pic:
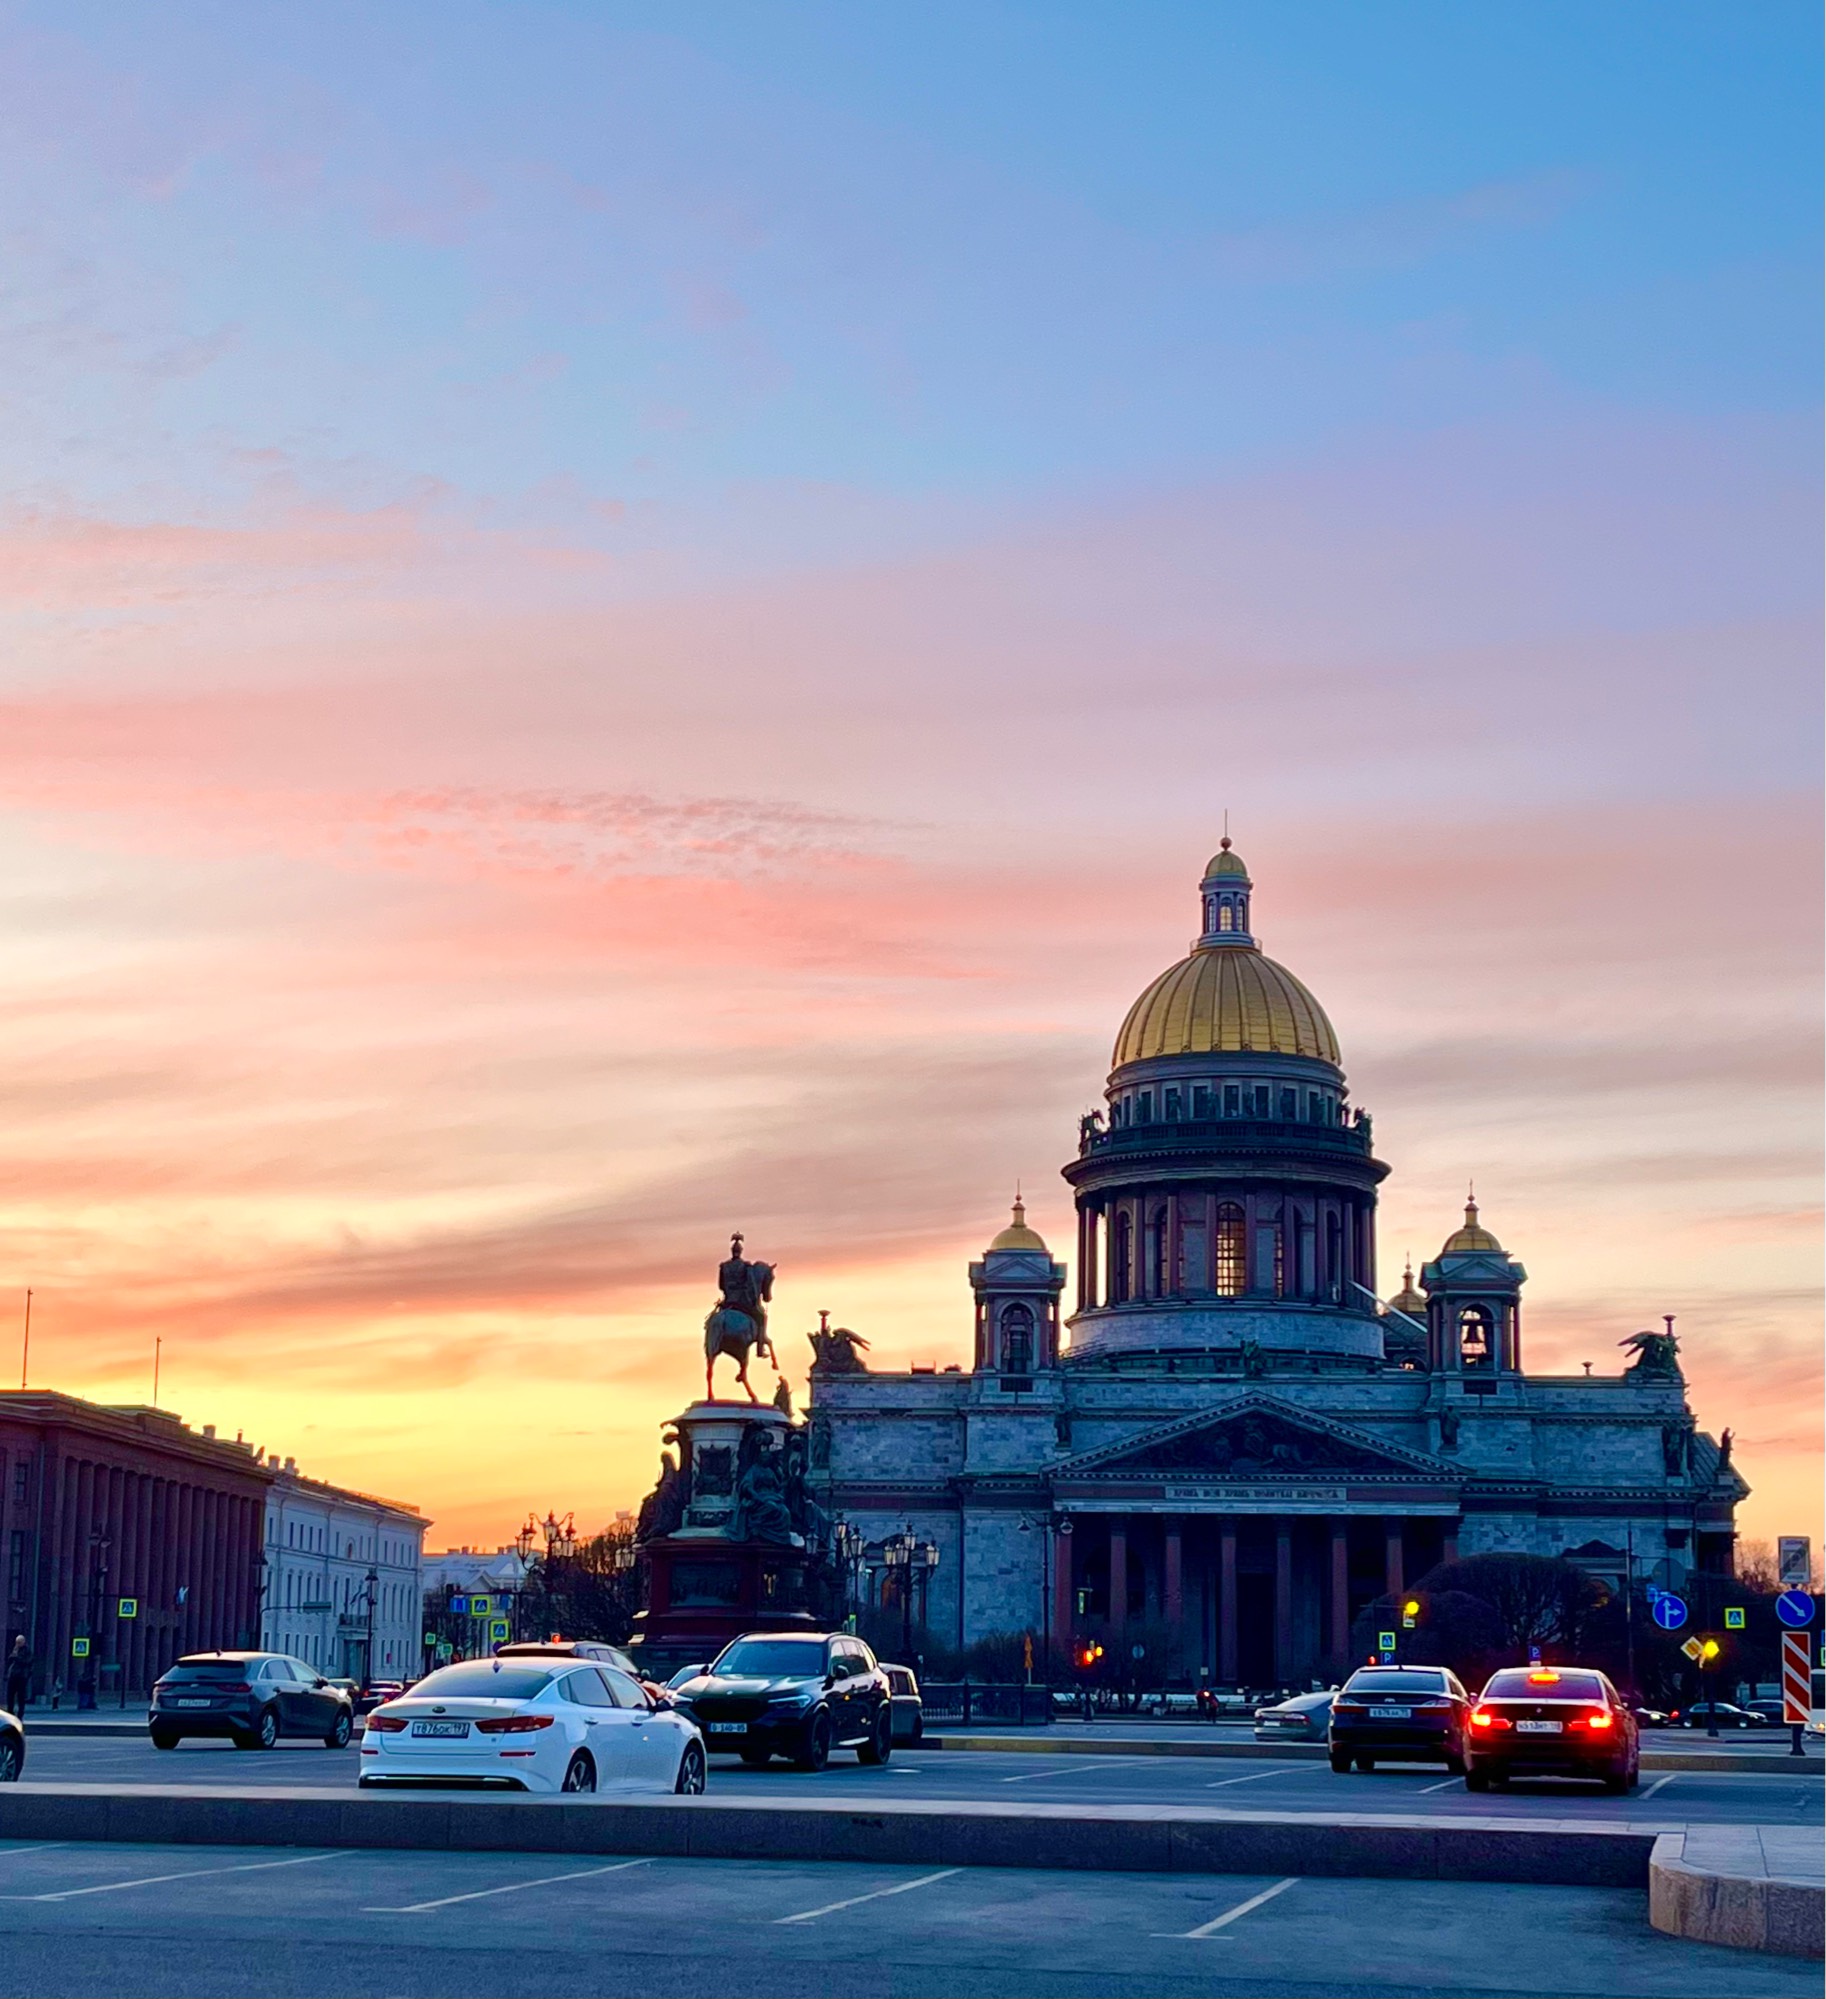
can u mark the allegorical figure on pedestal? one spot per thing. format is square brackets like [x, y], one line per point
[738, 1325]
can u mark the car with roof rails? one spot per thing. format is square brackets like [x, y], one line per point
[798, 1694]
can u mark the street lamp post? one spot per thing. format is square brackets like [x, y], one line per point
[907, 1556]
[372, 1579]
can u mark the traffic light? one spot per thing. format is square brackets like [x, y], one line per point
[1708, 1650]
[1410, 1613]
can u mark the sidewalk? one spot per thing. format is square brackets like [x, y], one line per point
[1751, 1887]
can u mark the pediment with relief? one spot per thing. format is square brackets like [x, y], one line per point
[1255, 1438]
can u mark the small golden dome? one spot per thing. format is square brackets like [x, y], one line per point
[1407, 1299]
[1226, 1000]
[1224, 862]
[1017, 1235]
[1473, 1236]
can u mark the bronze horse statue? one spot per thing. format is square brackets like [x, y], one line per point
[738, 1325]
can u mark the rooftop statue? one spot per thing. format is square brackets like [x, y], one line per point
[834, 1348]
[738, 1326]
[1657, 1355]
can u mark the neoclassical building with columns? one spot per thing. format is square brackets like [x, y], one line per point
[1213, 1424]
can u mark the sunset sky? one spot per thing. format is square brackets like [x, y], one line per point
[629, 621]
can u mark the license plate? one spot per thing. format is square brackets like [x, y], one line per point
[202, 1703]
[1538, 1728]
[440, 1728]
[1391, 1714]
[729, 1728]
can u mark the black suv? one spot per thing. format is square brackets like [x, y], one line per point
[251, 1697]
[795, 1694]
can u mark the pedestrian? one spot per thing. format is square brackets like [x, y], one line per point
[19, 1664]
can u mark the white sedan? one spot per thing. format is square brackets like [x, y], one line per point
[531, 1725]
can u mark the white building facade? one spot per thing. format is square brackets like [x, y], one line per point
[343, 1579]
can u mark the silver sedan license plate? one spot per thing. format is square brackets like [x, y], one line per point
[445, 1728]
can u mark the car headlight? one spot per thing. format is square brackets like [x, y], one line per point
[788, 1703]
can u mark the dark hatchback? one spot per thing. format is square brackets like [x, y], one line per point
[1551, 1721]
[794, 1694]
[1399, 1714]
[253, 1698]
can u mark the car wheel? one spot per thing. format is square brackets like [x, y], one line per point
[580, 1774]
[263, 1735]
[1477, 1780]
[12, 1760]
[815, 1744]
[338, 1737]
[757, 1759]
[164, 1738]
[690, 1782]
[880, 1745]
[1340, 1762]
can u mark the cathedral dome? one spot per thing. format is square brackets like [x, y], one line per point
[1222, 1000]
[1472, 1237]
[1017, 1235]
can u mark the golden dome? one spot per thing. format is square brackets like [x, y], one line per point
[1407, 1299]
[1224, 862]
[1225, 1000]
[1017, 1235]
[1473, 1236]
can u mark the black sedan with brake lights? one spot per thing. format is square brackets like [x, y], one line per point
[796, 1694]
[1551, 1721]
[1399, 1714]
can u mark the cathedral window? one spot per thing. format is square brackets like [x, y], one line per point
[1232, 1251]
[1279, 1253]
[1226, 918]
[1474, 1337]
[1017, 1339]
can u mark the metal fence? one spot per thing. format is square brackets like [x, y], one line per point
[967, 1701]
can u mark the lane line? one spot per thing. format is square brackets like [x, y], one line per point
[190, 1874]
[1254, 1778]
[1105, 1762]
[508, 1888]
[1450, 1784]
[43, 1846]
[1657, 1785]
[854, 1901]
[1230, 1915]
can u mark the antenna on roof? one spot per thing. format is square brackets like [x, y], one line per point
[25, 1352]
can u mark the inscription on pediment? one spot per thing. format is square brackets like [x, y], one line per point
[1250, 1446]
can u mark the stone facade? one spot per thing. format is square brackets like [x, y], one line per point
[1232, 1441]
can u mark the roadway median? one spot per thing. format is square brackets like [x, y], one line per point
[1150, 1839]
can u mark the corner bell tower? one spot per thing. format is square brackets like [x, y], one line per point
[1474, 1304]
[1018, 1287]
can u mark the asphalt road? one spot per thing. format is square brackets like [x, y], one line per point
[1687, 1798]
[126, 1922]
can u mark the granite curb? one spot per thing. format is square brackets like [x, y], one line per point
[1152, 1839]
[1721, 1885]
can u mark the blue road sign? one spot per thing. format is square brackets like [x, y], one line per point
[1795, 1608]
[459, 1606]
[1670, 1613]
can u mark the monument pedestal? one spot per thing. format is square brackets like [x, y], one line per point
[725, 1558]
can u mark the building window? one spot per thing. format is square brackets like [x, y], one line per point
[1172, 1112]
[1144, 1107]
[1119, 1261]
[1233, 1100]
[1475, 1341]
[1017, 1339]
[1261, 1100]
[1201, 1100]
[1280, 1263]
[1290, 1105]
[1226, 918]
[1232, 1251]
[1315, 1107]
[1159, 1241]
[1334, 1259]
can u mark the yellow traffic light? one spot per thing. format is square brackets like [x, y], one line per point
[1412, 1607]
[1709, 1649]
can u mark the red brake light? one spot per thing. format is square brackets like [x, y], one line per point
[1601, 1718]
[515, 1724]
[1481, 1717]
[1543, 1679]
[388, 1724]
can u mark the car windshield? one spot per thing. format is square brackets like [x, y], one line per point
[1544, 1685]
[772, 1659]
[1306, 1702]
[483, 1679]
[212, 1669]
[1396, 1682]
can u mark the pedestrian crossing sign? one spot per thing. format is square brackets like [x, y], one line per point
[129, 1606]
[1734, 1619]
[481, 1606]
[79, 1648]
[499, 1631]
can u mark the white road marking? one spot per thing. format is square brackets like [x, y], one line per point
[1254, 1778]
[899, 1888]
[1450, 1784]
[508, 1888]
[1658, 1784]
[1230, 1915]
[1107, 1762]
[189, 1874]
[43, 1846]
